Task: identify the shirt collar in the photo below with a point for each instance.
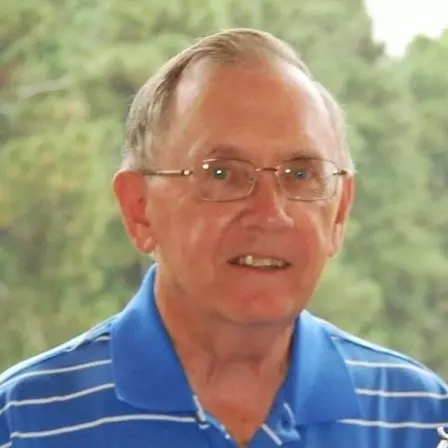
(148, 374)
(319, 387)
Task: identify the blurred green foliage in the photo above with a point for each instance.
(68, 70)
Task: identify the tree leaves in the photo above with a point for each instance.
(68, 71)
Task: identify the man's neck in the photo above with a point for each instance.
(234, 369)
(216, 349)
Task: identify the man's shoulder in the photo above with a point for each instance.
(71, 373)
(88, 350)
(398, 396)
(378, 369)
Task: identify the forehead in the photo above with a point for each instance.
(263, 113)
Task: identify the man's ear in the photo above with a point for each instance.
(343, 212)
(131, 192)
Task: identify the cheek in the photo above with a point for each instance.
(190, 231)
(314, 228)
(204, 228)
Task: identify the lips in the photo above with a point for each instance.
(261, 262)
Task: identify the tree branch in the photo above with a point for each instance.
(49, 86)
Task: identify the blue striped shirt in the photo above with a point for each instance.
(121, 385)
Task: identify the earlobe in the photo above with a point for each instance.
(345, 205)
(346, 201)
(131, 192)
(336, 241)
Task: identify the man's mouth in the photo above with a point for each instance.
(253, 261)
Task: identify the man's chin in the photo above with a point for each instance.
(252, 316)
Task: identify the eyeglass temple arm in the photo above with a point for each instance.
(167, 172)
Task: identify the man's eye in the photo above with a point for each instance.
(298, 174)
(220, 173)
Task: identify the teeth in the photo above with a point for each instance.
(250, 260)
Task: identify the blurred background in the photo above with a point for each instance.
(68, 71)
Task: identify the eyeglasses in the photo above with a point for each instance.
(222, 180)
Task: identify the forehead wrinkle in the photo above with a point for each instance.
(200, 85)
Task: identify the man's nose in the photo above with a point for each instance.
(267, 205)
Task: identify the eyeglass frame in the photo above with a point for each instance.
(190, 172)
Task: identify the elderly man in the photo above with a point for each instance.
(238, 180)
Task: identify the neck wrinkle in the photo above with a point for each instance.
(210, 344)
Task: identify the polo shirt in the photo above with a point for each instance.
(121, 384)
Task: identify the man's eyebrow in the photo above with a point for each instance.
(310, 152)
(225, 151)
(235, 152)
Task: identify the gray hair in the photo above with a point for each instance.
(146, 119)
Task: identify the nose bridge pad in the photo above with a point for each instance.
(274, 172)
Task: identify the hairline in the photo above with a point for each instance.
(164, 84)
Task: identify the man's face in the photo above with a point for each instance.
(264, 115)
